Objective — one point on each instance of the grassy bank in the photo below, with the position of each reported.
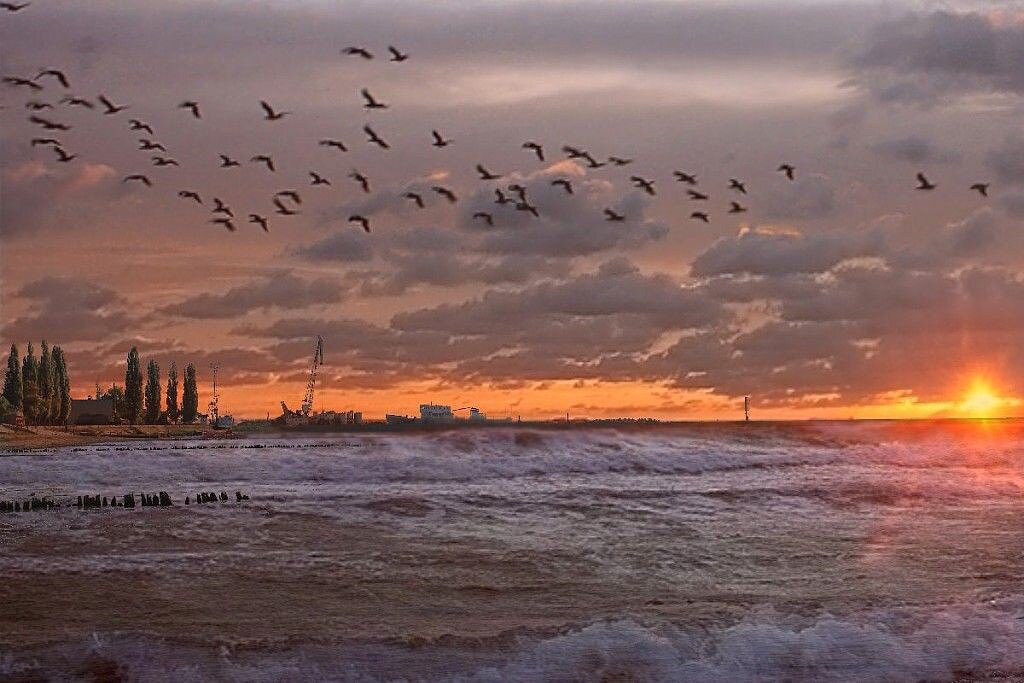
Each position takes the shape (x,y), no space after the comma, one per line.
(33,438)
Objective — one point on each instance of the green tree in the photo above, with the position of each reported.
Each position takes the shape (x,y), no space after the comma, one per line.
(152,392)
(190,396)
(117,394)
(172,393)
(60,410)
(12,380)
(46,382)
(133,388)
(30,385)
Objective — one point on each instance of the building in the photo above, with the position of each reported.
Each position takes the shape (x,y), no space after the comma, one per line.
(92,411)
(430,412)
(13,417)
(476,416)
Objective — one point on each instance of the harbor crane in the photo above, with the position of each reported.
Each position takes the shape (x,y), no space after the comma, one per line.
(307,401)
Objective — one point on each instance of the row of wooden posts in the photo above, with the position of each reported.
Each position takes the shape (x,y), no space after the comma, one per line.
(128,500)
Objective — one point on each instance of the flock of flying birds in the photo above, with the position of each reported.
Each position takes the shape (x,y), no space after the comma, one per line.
(286,202)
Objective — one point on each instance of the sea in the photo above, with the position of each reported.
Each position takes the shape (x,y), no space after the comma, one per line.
(844,551)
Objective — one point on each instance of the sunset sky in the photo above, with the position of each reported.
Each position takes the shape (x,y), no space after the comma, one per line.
(845,292)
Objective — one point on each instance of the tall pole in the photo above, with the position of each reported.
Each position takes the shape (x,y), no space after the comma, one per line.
(746,408)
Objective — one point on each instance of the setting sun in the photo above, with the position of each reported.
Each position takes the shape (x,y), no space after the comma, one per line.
(981,400)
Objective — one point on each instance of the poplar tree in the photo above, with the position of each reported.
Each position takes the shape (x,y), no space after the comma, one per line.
(61,410)
(133,388)
(30,385)
(172,393)
(12,380)
(152,392)
(190,396)
(46,384)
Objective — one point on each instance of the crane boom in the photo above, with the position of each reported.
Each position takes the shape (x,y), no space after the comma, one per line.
(318,359)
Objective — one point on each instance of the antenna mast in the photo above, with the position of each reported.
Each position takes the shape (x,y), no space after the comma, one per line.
(213,407)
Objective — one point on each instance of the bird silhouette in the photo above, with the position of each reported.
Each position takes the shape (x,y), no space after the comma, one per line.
(446,193)
(371,101)
(737,185)
(226,222)
(48,124)
(643,183)
(980,188)
(687,178)
(227,162)
(135,124)
(487,218)
(372,137)
(290,194)
(697,196)
(189,194)
(22,82)
(147,145)
(36,142)
(786,169)
(110,107)
(358,51)
(396,55)
(700,216)
(735,207)
(337,144)
(138,177)
(537,149)
(485,174)
(77,102)
(500,197)
(38,106)
(415,197)
(14,6)
(259,220)
(361,220)
(55,73)
(592,162)
(192,107)
(317,179)
(223,208)
(923,183)
(439,141)
(613,216)
(282,209)
(264,159)
(528,207)
(270,114)
(363,181)
(63,156)
(564,183)
(619,161)
(163,161)
(573,152)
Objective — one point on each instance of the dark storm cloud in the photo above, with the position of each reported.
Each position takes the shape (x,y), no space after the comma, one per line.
(67,310)
(915,149)
(279,290)
(1007,160)
(809,197)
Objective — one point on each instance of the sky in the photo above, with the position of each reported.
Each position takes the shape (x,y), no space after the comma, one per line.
(843,293)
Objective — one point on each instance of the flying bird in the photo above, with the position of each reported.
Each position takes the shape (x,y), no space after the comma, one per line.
(371,101)
(363,181)
(787,169)
(923,183)
(980,188)
(519,190)
(163,161)
(735,207)
(613,216)
(290,194)
(697,196)
(77,102)
(38,106)
(372,137)
(487,218)
(270,114)
(55,73)
(63,156)
(111,108)
(643,183)
(500,197)
(592,162)
(47,124)
(700,216)
(317,179)
(282,209)
(687,178)
(227,162)
(564,183)
(260,220)
(226,222)
(619,161)
(396,55)
(24,82)
(223,208)
(438,140)
(139,178)
(527,206)
(358,51)
(192,107)
(415,197)
(573,152)
(737,185)
(45,141)
(14,7)
(446,193)
(135,124)
(147,145)
(485,174)
(337,144)
(189,194)
(536,147)
(264,159)
(361,220)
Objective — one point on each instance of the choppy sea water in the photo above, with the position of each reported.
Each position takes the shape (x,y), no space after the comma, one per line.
(826,552)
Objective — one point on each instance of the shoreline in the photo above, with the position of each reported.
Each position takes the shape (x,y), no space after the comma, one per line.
(15,440)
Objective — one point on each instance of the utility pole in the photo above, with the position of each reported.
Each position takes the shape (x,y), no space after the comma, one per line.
(213,407)
(746,409)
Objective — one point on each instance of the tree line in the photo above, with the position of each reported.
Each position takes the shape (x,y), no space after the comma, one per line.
(142,402)
(40,387)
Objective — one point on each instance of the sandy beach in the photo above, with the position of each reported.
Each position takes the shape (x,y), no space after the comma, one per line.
(21,439)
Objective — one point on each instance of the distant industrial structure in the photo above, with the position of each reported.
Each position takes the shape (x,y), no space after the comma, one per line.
(305,415)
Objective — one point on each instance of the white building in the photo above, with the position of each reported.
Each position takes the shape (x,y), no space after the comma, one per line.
(430,412)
